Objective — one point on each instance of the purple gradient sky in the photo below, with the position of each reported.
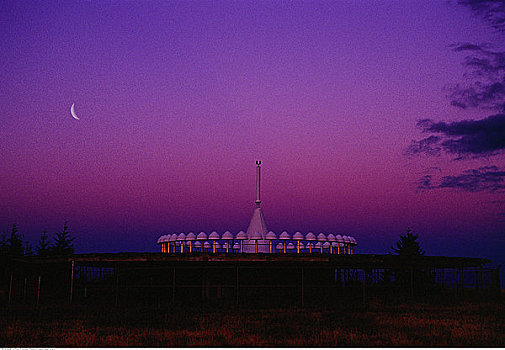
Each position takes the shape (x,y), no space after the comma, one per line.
(178,99)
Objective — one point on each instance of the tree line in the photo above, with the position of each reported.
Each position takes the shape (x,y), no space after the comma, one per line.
(60,244)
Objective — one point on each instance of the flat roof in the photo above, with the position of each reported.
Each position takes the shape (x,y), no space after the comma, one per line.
(360,261)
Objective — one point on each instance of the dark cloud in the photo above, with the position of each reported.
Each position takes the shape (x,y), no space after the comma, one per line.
(467,138)
(486,68)
(483,179)
(492,11)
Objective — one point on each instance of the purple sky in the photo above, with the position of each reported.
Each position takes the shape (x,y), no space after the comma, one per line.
(178,99)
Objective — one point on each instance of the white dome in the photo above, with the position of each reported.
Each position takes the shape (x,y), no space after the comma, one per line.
(207,245)
(256,236)
(271,236)
(201,236)
(290,246)
(190,236)
(285,235)
(298,236)
(279,246)
(321,237)
(318,245)
(181,236)
(310,236)
(241,235)
(173,237)
(346,239)
(331,237)
(197,244)
(214,235)
(340,239)
(227,235)
(326,245)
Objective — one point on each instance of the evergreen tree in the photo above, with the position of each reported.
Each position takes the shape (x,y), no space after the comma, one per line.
(15,243)
(43,247)
(4,245)
(28,250)
(408,245)
(63,242)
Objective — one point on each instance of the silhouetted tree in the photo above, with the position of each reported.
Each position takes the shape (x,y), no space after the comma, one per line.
(408,245)
(43,247)
(28,249)
(15,243)
(63,242)
(4,245)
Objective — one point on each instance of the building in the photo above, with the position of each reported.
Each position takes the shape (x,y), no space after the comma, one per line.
(257,239)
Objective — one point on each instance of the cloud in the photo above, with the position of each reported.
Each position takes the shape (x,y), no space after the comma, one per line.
(467,138)
(486,68)
(492,11)
(483,179)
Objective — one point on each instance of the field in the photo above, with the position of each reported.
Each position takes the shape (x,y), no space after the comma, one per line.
(413,324)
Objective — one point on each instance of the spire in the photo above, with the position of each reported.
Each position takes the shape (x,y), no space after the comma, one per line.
(258,175)
(257,224)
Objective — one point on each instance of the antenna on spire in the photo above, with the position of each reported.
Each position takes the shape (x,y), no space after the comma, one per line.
(258,170)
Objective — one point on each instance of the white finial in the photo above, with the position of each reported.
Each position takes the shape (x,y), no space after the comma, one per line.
(258,200)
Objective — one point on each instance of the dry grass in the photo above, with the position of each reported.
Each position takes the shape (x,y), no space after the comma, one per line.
(377,325)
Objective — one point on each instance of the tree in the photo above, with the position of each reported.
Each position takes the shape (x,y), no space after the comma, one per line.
(43,247)
(15,243)
(4,245)
(28,249)
(63,242)
(408,245)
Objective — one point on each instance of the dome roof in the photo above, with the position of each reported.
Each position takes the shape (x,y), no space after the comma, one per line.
(298,236)
(207,245)
(331,237)
(197,244)
(326,245)
(181,236)
(227,235)
(346,239)
(236,245)
(190,236)
(271,236)
(290,246)
(285,235)
(302,246)
(214,235)
(241,235)
(173,237)
(321,237)
(201,236)
(318,245)
(279,246)
(340,239)
(353,240)
(255,236)
(310,236)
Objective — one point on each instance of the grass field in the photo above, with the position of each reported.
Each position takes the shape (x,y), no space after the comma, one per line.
(413,324)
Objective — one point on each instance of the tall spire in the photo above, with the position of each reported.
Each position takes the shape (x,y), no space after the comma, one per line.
(258,175)
(257,224)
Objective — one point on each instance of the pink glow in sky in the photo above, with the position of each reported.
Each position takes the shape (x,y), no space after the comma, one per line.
(177,100)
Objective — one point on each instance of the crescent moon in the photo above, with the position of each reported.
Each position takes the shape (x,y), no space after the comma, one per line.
(72,111)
